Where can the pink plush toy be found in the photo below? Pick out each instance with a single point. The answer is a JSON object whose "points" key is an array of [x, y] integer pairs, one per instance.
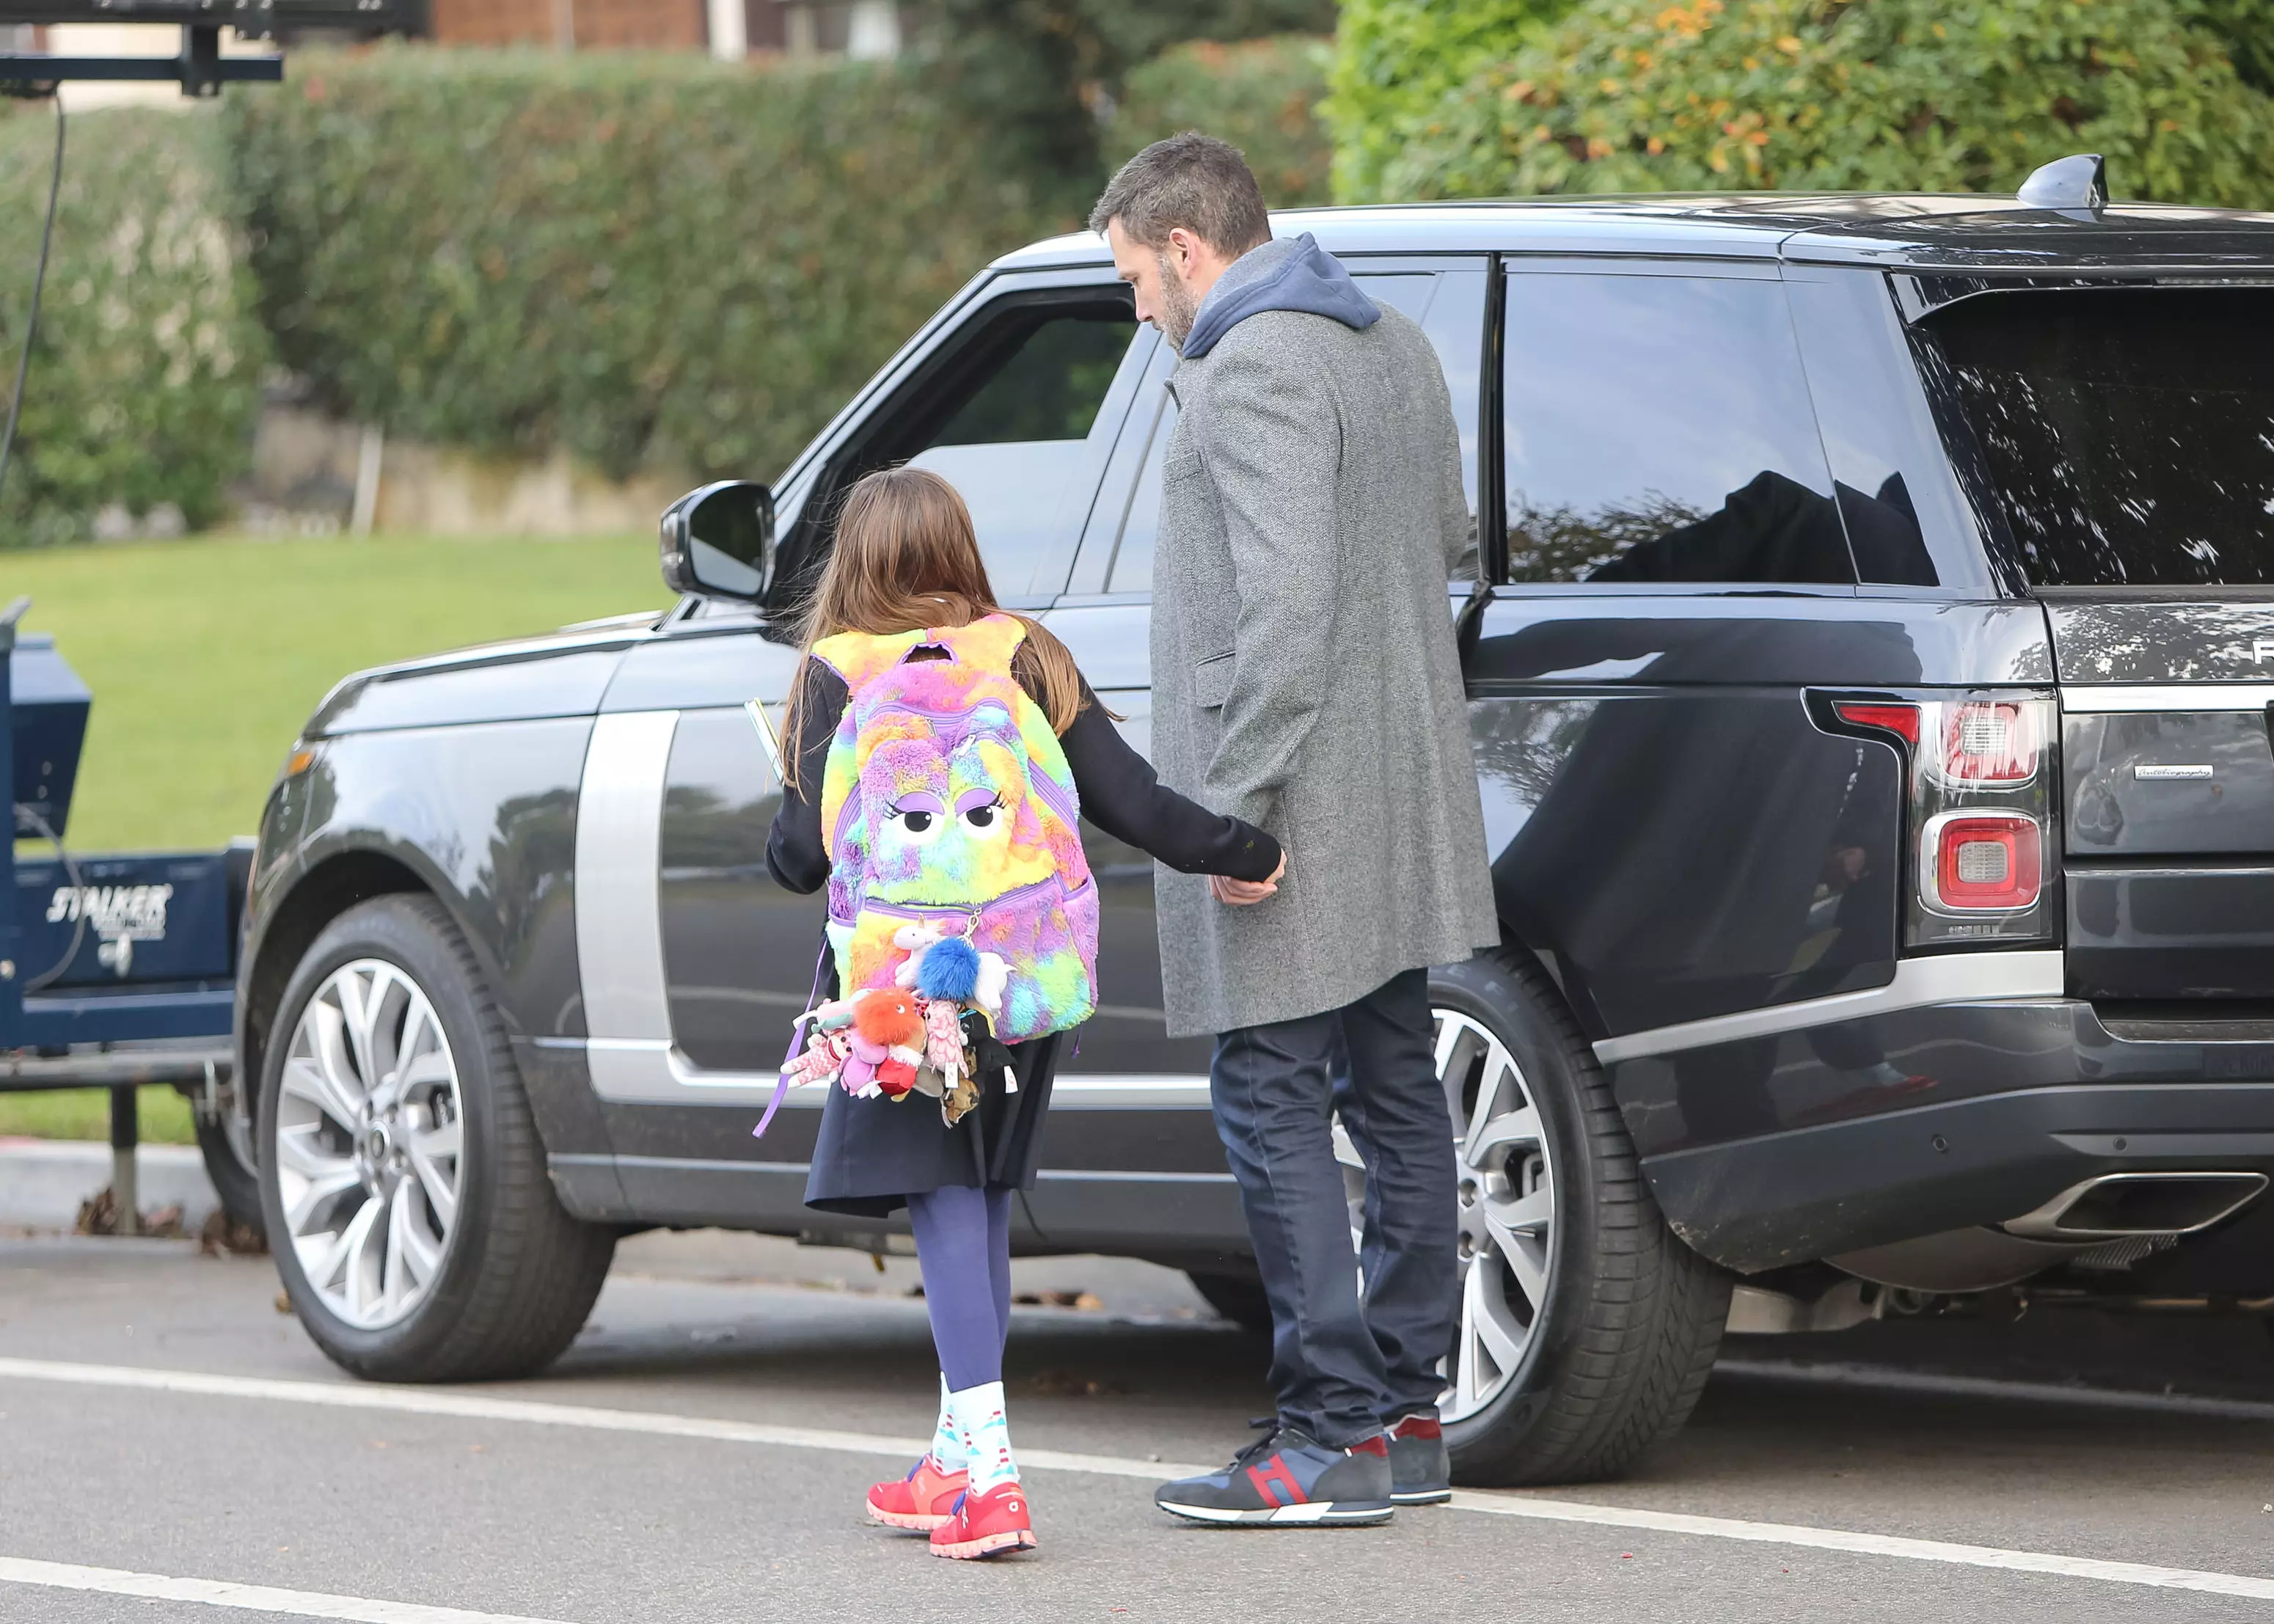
{"points": [[944, 1037], [823, 1060]]}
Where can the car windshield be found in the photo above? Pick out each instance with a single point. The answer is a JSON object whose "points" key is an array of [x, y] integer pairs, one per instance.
{"points": [[2127, 433]]}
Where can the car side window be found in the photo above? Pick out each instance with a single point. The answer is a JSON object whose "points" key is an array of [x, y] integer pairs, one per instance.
{"points": [[1658, 429], [1449, 305], [1014, 414]]}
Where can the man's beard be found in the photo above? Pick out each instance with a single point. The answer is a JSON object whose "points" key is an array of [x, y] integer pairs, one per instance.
{"points": [[1177, 307]]}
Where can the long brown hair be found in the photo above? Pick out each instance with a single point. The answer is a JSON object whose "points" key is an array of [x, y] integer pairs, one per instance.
{"points": [[905, 559]]}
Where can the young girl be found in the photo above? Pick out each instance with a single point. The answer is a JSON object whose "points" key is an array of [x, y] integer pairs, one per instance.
{"points": [[974, 803]]}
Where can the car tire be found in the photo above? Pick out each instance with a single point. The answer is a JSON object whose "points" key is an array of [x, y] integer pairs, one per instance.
{"points": [[1619, 1346], [237, 1185], [1237, 1297], [479, 1274]]}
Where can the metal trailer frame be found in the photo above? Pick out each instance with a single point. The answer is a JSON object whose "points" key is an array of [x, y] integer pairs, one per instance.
{"points": [[122, 1040]]}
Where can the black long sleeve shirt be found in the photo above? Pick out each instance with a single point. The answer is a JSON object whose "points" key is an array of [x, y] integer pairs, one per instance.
{"points": [[1120, 792]]}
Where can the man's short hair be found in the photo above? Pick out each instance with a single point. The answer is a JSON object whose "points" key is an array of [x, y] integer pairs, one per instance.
{"points": [[1190, 180]]}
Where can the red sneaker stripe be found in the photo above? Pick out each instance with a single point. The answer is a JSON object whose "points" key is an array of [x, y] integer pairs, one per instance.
{"points": [[1271, 1477]]}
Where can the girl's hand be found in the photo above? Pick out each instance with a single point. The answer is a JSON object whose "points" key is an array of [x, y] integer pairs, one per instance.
{"points": [[1241, 893]]}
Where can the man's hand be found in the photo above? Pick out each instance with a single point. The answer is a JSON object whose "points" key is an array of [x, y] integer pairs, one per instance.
{"points": [[1240, 893]]}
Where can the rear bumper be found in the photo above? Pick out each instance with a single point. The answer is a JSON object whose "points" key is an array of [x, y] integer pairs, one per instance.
{"points": [[1807, 1144]]}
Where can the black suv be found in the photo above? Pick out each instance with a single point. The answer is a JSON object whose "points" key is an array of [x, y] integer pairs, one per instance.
{"points": [[1868, 649]]}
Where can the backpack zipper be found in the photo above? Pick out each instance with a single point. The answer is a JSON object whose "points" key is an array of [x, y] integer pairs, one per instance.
{"points": [[927, 910]]}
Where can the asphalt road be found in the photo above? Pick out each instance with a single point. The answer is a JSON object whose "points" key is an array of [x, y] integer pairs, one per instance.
{"points": [[168, 1438]]}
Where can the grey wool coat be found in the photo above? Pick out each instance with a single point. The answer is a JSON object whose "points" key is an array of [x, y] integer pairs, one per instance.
{"points": [[1305, 675]]}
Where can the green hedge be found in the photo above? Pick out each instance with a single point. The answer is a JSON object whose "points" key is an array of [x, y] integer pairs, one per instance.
{"points": [[1262, 95], [652, 261], [146, 383], [1395, 60], [1945, 96]]}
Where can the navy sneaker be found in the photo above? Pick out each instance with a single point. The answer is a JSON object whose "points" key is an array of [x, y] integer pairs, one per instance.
{"points": [[1288, 1478], [1421, 1471]]}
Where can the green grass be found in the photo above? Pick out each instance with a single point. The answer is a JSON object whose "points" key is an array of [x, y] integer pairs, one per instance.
{"points": [[205, 655], [85, 1114]]}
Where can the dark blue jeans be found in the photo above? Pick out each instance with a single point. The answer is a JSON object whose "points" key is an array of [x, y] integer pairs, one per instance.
{"points": [[1345, 1364]]}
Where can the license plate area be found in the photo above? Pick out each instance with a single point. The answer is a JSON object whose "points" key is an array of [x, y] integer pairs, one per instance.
{"points": [[2168, 784]]}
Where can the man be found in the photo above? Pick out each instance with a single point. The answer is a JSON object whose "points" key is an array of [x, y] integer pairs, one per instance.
{"points": [[1304, 678]]}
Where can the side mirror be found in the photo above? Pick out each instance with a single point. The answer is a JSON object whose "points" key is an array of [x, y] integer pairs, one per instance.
{"points": [[719, 539]]}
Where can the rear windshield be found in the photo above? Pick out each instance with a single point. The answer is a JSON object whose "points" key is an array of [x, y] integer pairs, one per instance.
{"points": [[2128, 432]]}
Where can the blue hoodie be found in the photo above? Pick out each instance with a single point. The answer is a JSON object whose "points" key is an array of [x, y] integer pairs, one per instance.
{"points": [[1284, 274]]}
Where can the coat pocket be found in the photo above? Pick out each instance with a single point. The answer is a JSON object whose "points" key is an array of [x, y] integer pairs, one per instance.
{"points": [[1212, 681]]}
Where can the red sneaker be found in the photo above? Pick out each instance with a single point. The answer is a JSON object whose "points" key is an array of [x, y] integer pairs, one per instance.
{"points": [[921, 1500], [986, 1524]]}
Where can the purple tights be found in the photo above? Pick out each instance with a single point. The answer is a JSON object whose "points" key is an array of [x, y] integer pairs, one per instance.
{"points": [[963, 1243]]}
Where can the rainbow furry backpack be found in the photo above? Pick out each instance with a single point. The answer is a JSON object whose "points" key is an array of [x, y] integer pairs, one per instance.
{"points": [[958, 884]]}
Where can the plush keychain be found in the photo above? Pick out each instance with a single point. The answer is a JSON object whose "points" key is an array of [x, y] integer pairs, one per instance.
{"points": [[948, 979], [886, 1035], [919, 1035], [916, 941], [823, 1058]]}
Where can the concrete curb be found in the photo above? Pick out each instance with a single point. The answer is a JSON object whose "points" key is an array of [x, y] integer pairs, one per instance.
{"points": [[42, 1181]]}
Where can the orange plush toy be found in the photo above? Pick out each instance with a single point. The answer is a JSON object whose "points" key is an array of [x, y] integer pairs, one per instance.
{"points": [[888, 1035]]}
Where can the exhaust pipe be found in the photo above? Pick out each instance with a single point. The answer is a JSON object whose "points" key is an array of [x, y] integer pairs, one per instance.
{"points": [[2115, 1205]]}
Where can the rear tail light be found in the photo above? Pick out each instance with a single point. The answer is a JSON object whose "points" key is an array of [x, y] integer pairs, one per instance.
{"points": [[1902, 719], [1978, 775], [1988, 742], [1982, 862]]}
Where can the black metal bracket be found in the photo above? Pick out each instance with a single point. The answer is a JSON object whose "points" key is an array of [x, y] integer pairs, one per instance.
{"points": [[201, 69]]}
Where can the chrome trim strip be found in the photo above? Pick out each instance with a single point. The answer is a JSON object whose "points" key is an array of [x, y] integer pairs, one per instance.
{"points": [[1952, 978], [1131, 1091], [652, 1071], [635, 1071], [2196, 697], [619, 909], [1097, 1176]]}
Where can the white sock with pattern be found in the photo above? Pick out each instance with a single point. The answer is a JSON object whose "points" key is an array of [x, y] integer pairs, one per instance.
{"points": [[986, 1435], [947, 1451]]}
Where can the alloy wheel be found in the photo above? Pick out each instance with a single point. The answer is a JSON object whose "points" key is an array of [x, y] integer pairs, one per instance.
{"points": [[1503, 1163], [369, 1144]]}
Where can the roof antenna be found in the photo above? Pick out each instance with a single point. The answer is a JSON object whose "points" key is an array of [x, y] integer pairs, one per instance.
{"points": [[2077, 182]]}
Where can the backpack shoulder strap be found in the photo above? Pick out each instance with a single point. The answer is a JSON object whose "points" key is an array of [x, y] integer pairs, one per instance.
{"points": [[989, 641], [857, 657]]}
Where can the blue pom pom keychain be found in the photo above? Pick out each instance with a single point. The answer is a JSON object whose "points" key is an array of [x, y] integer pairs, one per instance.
{"points": [[949, 970]]}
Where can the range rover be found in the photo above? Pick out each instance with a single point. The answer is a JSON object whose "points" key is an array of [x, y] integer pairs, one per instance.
{"points": [[1869, 644]]}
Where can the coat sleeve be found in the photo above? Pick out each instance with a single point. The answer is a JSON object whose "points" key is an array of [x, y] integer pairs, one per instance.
{"points": [[1120, 794], [795, 856], [1273, 452]]}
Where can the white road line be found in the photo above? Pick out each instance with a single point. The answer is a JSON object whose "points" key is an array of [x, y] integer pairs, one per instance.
{"points": [[1865, 1544], [249, 1597], [471, 1406], [1888, 1379]]}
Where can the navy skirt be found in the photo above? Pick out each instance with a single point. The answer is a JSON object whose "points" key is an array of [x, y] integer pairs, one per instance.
{"points": [[872, 1154]]}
